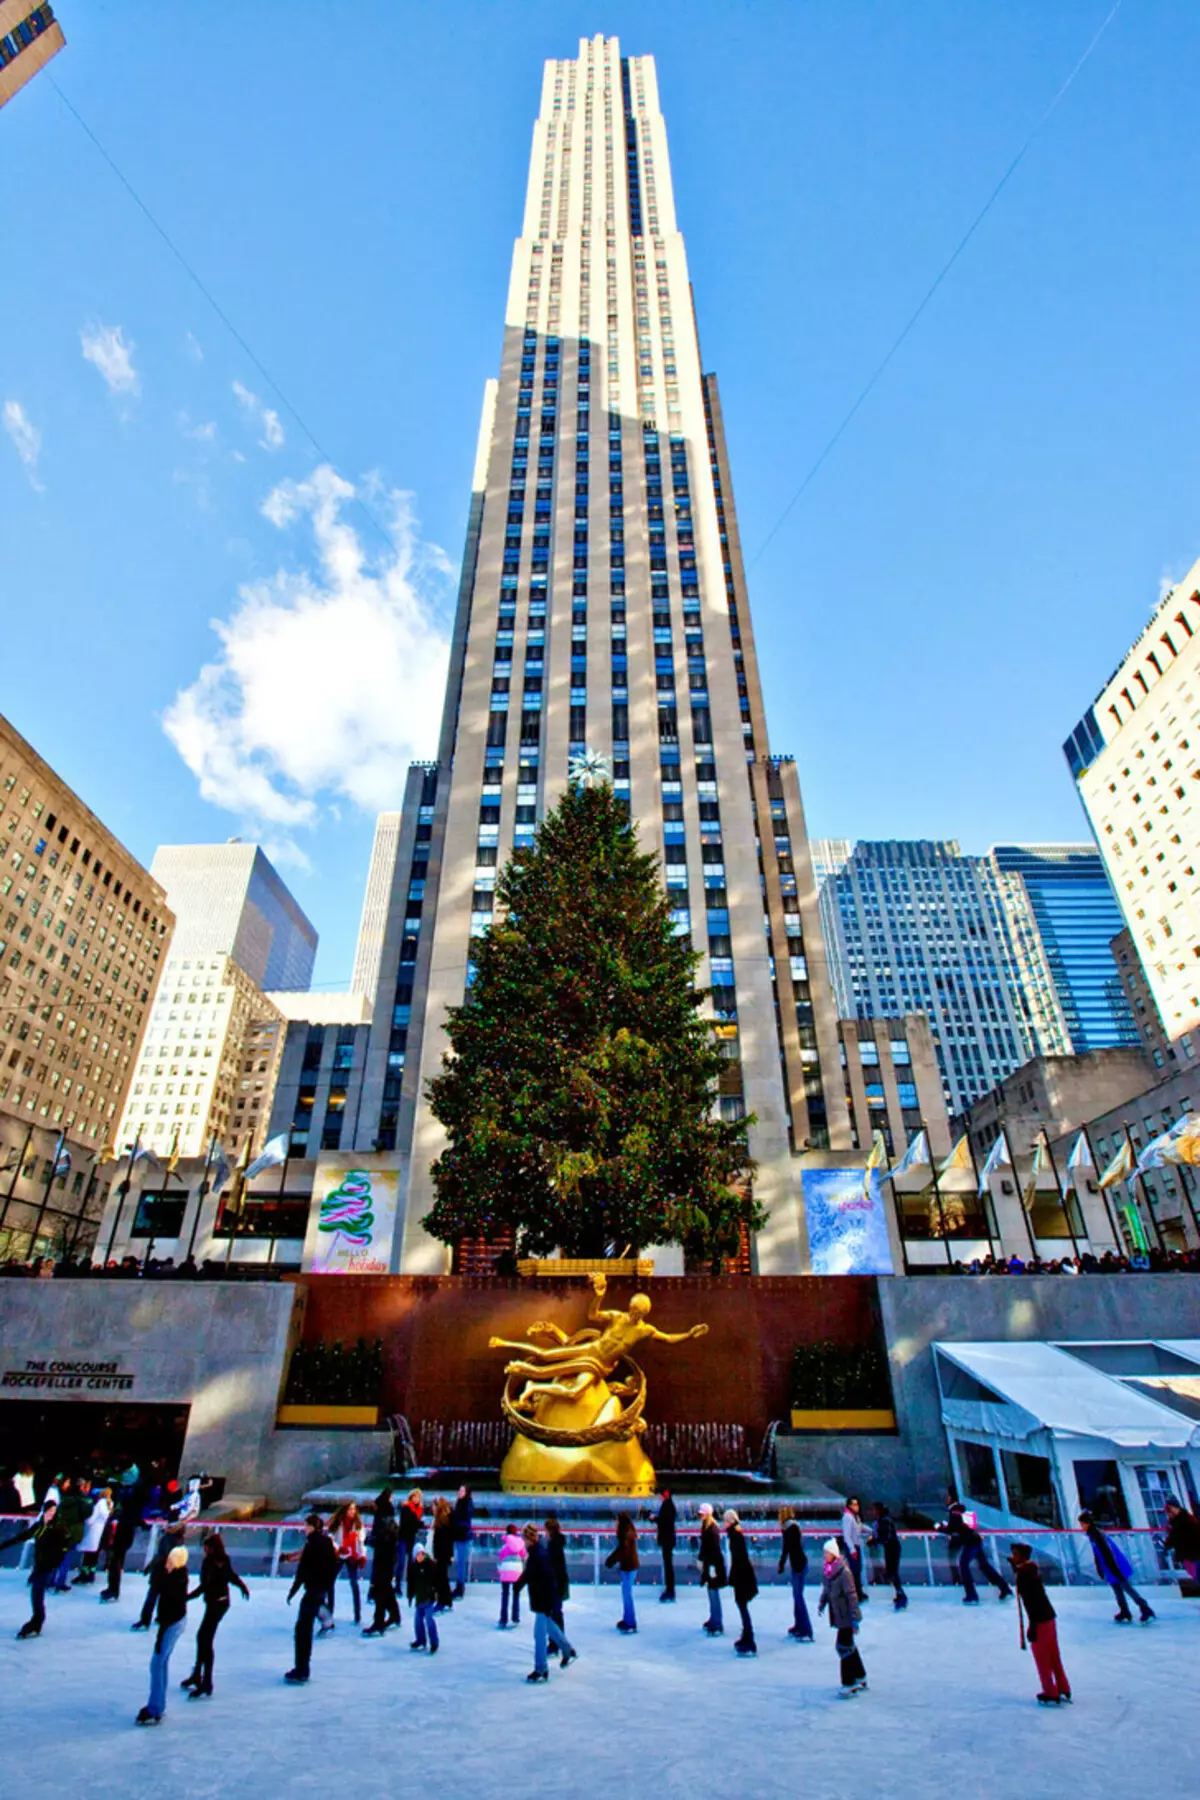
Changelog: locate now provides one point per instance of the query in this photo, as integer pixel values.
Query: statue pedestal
(611, 1468)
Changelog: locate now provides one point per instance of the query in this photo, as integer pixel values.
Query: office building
(84, 929)
(29, 37)
(1135, 756)
(372, 929)
(603, 607)
(211, 1054)
(892, 1083)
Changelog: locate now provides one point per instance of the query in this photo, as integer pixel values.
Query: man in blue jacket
(1113, 1566)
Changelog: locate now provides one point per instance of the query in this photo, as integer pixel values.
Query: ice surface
(950, 1710)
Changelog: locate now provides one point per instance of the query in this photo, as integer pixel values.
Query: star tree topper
(589, 769)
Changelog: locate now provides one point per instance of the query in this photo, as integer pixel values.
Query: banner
(352, 1220)
(847, 1225)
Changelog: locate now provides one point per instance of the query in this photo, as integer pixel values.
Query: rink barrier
(259, 1547)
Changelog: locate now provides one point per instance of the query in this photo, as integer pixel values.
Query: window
(981, 1480)
(1030, 1488)
(1099, 1486)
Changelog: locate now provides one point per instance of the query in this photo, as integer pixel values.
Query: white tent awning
(1052, 1391)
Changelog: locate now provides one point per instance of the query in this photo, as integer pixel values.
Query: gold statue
(578, 1428)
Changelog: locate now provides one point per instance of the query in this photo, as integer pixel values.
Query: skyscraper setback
(603, 607)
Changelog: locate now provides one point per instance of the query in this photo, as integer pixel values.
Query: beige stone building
(84, 929)
(892, 1083)
(1135, 756)
(29, 37)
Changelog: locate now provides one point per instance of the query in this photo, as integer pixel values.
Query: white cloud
(329, 679)
(191, 345)
(203, 434)
(264, 416)
(26, 438)
(108, 349)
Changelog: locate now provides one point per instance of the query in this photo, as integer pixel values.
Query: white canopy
(1043, 1388)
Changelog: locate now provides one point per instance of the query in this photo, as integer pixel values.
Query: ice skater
(171, 1619)
(316, 1572)
(624, 1556)
(966, 1546)
(537, 1577)
(664, 1535)
(49, 1548)
(510, 1566)
(854, 1534)
(383, 1565)
(556, 1550)
(1183, 1539)
(840, 1598)
(1043, 1627)
(793, 1558)
(443, 1550)
(888, 1539)
(464, 1531)
(1113, 1566)
(217, 1576)
(712, 1570)
(94, 1529)
(346, 1530)
(742, 1580)
(425, 1582)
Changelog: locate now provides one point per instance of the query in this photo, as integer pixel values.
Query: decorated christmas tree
(577, 1093)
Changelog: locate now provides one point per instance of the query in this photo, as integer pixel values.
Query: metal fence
(261, 1547)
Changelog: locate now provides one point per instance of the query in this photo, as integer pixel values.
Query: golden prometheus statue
(578, 1405)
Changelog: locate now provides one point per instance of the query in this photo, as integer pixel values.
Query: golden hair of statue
(578, 1404)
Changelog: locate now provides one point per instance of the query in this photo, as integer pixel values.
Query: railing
(258, 1548)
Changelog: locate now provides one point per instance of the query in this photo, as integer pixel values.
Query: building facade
(603, 607)
(29, 37)
(892, 1083)
(1135, 756)
(211, 1054)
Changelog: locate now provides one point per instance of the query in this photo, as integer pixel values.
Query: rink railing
(259, 1548)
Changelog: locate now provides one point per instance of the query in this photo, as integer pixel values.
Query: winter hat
(706, 1511)
(420, 1547)
(177, 1558)
(832, 1549)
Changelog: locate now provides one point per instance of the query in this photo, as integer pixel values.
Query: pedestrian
(742, 1580)
(966, 1546)
(664, 1536)
(624, 1556)
(556, 1550)
(172, 1617)
(840, 1596)
(425, 1583)
(1183, 1538)
(316, 1572)
(854, 1534)
(382, 1592)
(409, 1522)
(443, 1550)
(130, 1507)
(464, 1532)
(49, 1548)
(1043, 1627)
(169, 1539)
(94, 1528)
(712, 1570)
(346, 1530)
(1113, 1566)
(217, 1576)
(794, 1559)
(886, 1538)
(72, 1516)
(510, 1566)
(544, 1602)
(23, 1481)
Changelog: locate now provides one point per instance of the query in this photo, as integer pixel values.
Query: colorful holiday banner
(352, 1219)
(847, 1225)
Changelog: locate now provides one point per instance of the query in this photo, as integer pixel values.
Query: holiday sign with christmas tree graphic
(352, 1220)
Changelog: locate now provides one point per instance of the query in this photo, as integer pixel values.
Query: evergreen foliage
(578, 1087)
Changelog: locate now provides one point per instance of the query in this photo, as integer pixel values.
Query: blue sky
(932, 618)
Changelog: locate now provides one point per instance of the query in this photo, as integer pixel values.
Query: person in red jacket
(1043, 1627)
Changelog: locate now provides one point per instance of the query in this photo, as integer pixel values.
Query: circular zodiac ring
(627, 1424)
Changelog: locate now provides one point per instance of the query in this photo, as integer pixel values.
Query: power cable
(212, 300)
(933, 287)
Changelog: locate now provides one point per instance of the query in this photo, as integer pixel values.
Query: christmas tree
(578, 1089)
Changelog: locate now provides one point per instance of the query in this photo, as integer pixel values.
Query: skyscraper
(1135, 756)
(29, 37)
(603, 606)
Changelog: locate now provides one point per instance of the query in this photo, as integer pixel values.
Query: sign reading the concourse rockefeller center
(39, 1374)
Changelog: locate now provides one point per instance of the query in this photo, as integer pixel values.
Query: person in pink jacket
(510, 1566)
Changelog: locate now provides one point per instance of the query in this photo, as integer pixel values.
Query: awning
(1043, 1388)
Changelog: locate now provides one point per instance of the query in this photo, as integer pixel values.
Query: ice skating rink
(950, 1710)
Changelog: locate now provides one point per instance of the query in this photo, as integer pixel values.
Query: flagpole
(937, 1197)
(87, 1195)
(983, 1193)
(201, 1196)
(1185, 1169)
(1147, 1200)
(1020, 1194)
(17, 1167)
(41, 1212)
(1110, 1210)
(172, 1159)
(1066, 1212)
(122, 1196)
(896, 1208)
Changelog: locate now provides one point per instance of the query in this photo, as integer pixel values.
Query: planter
(874, 1418)
(636, 1268)
(329, 1418)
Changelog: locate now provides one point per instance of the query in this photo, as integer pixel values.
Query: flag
(1185, 1141)
(142, 1153)
(107, 1154)
(271, 1155)
(915, 1156)
(997, 1158)
(958, 1159)
(218, 1167)
(1121, 1166)
(1080, 1159)
(1040, 1166)
(1157, 1153)
(876, 1159)
(173, 1157)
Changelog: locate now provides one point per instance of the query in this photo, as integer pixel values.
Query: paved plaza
(950, 1710)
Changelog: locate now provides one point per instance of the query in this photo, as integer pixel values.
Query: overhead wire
(926, 298)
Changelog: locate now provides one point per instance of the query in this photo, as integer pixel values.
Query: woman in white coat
(90, 1544)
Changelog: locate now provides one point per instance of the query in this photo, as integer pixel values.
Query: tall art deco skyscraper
(603, 606)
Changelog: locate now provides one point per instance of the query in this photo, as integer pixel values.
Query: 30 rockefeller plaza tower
(603, 606)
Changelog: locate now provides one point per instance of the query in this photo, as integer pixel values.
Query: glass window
(978, 1465)
(1099, 1486)
(1030, 1487)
